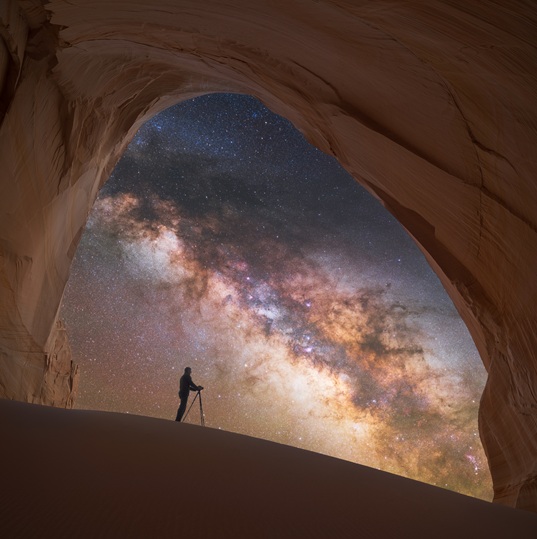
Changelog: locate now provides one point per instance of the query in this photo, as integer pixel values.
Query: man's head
(188, 370)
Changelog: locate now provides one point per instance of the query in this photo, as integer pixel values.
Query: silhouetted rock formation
(431, 106)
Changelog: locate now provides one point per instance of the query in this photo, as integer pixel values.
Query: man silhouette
(185, 385)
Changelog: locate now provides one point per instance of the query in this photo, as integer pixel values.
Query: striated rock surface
(430, 105)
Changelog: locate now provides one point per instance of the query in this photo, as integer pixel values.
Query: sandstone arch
(431, 106)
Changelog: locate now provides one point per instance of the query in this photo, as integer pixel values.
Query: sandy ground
(68, 473)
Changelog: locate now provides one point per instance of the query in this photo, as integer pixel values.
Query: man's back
(185, 385)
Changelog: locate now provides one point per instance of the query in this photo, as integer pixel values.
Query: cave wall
(431, 106)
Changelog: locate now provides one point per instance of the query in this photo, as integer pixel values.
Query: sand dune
(73, 474)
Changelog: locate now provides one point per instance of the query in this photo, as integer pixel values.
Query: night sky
(223, 241)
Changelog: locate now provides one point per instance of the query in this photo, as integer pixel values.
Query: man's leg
(182, 408)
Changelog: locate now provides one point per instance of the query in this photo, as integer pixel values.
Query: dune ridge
(75, 473)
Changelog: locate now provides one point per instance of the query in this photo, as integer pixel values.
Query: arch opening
(443, 98)
(224, 241)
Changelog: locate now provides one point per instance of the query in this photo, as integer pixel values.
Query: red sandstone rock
(431, 106)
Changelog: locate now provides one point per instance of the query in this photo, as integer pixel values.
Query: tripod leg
(192, 404)
(202, 417)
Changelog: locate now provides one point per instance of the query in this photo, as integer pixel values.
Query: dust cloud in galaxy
(305, 326)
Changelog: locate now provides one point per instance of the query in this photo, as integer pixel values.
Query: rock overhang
(431, 108)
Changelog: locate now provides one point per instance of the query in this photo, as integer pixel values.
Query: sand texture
(78, 474)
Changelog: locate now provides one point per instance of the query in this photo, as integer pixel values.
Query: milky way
(224, 242)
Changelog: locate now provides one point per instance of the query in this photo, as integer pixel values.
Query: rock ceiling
(431, 106)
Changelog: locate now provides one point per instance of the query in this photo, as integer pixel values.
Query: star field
(225, 242)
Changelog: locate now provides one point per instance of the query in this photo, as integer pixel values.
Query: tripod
(202, 417)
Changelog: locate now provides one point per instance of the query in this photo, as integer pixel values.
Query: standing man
(185, 385)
